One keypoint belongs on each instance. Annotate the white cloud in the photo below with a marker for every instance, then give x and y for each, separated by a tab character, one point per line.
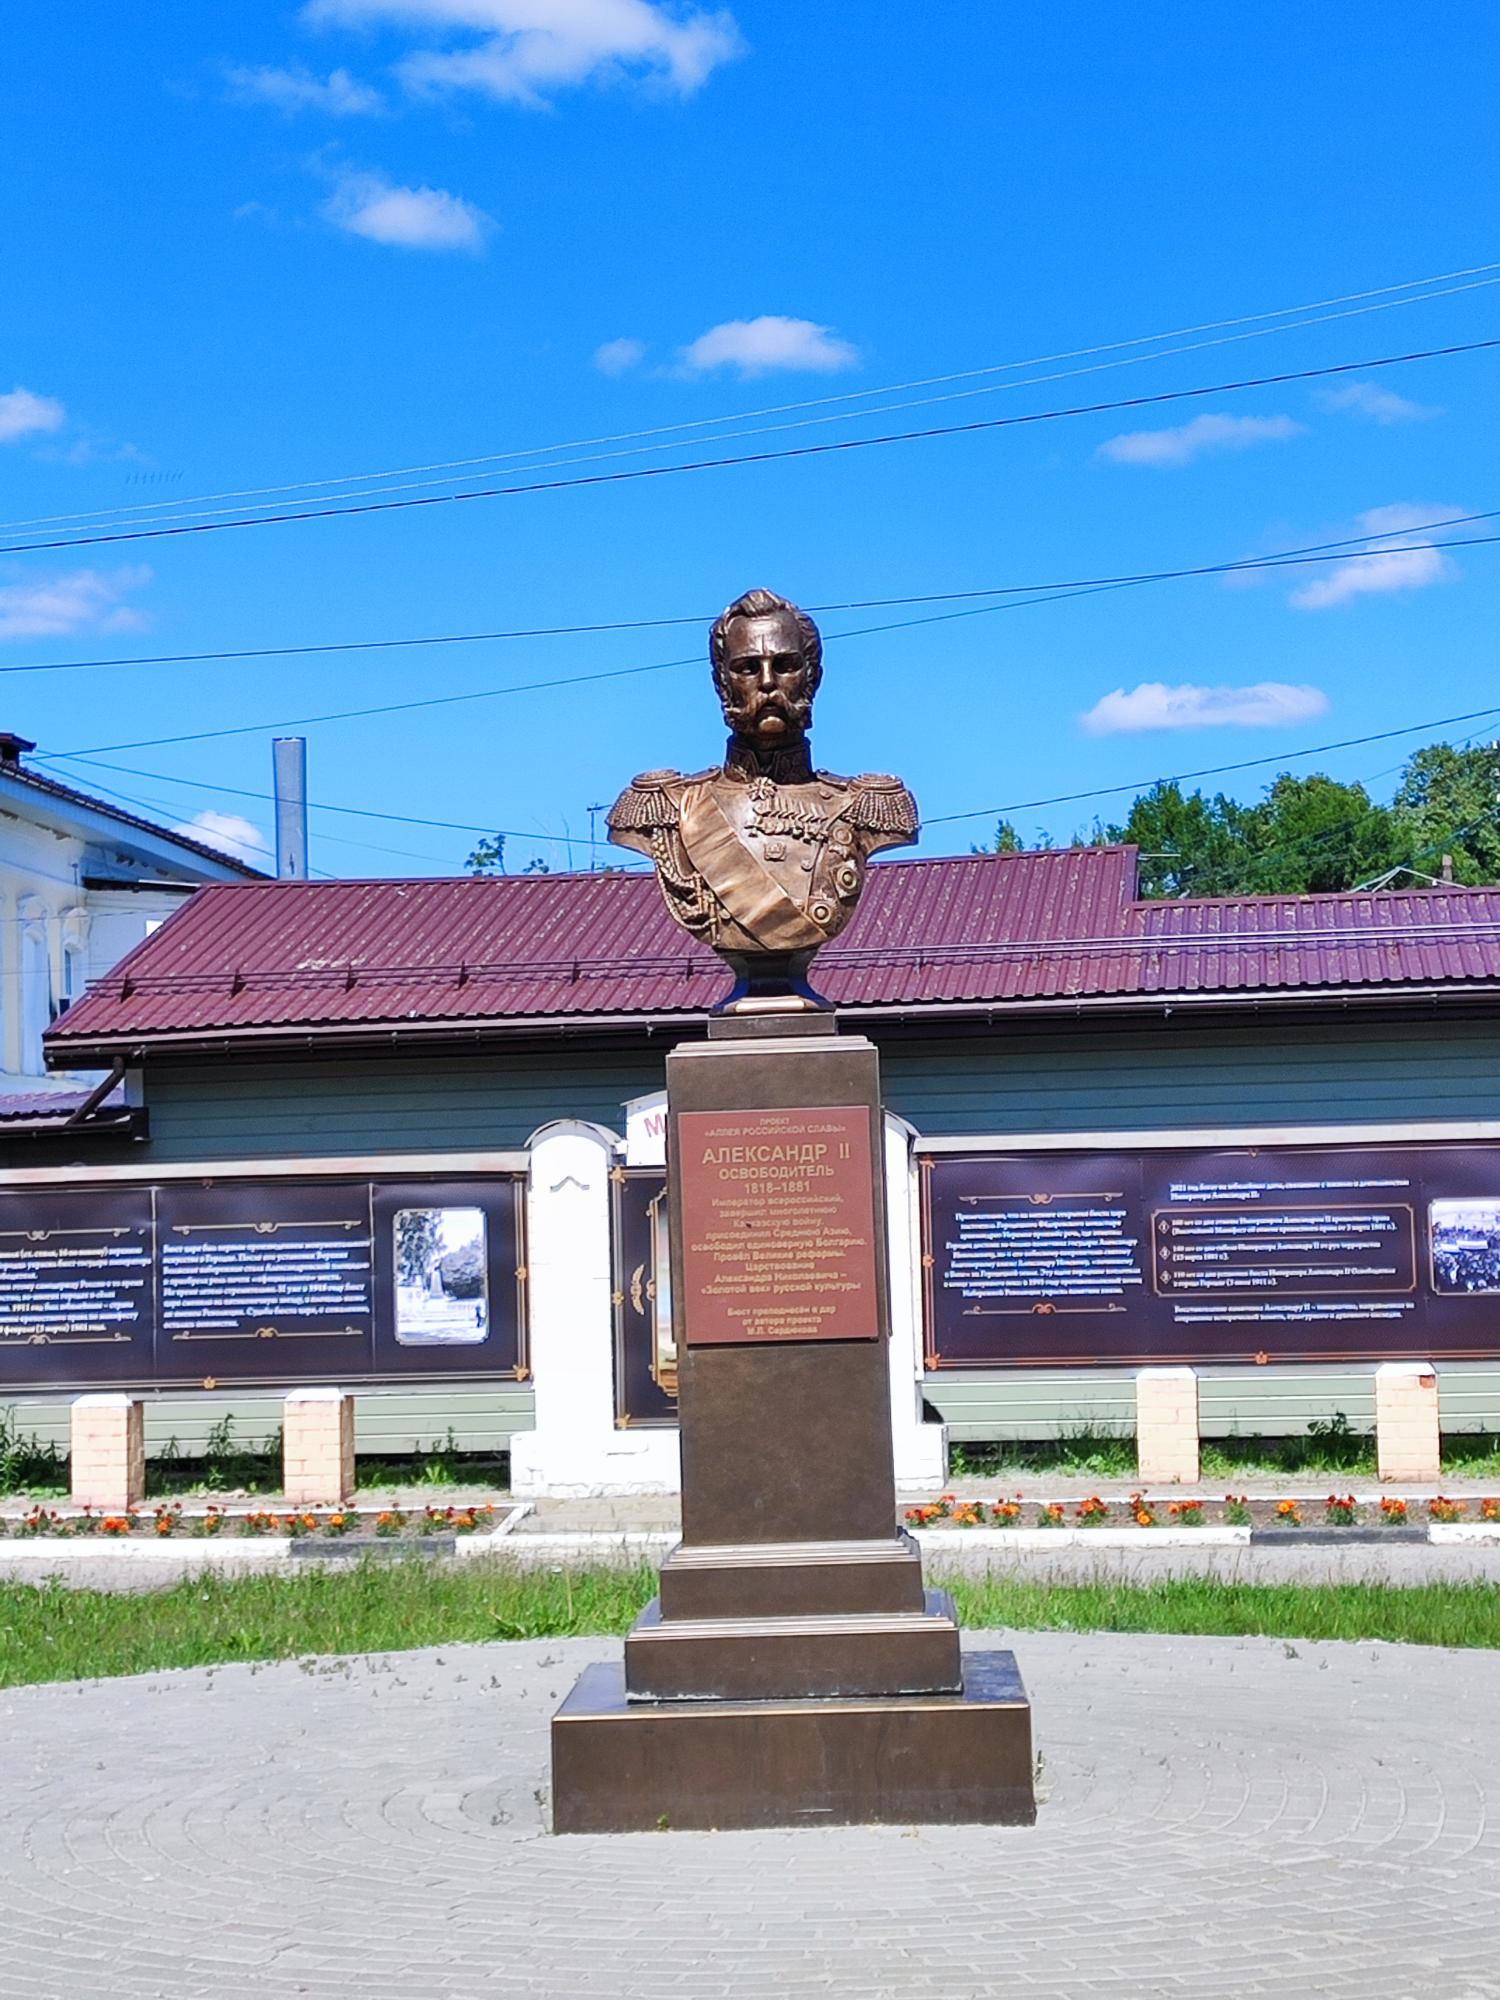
231	834
339	94
73	601
421	218
1154	705
1413	566
1382	406
22	414
531	48
618	357
758	346
1181	444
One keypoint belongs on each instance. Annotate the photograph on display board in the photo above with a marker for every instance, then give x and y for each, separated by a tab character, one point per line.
1465	1245
442	1285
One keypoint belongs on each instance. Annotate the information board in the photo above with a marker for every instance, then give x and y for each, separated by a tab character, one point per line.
228	1281
778	1218
1317	1253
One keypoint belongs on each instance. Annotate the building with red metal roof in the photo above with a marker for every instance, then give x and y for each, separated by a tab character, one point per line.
348	962
1297	1097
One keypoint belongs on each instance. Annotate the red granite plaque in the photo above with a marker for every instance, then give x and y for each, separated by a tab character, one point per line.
778	1214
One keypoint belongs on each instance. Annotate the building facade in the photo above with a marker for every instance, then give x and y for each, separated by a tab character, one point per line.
82	882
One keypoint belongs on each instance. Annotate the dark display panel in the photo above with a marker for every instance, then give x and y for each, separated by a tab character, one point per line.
645	1354
1315	1253
77	1288
229	1282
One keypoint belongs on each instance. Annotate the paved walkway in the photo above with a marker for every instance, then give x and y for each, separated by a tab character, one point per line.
1223	1820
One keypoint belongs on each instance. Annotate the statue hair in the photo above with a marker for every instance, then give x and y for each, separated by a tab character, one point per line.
760	604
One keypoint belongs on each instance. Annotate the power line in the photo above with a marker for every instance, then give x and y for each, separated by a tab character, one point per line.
1139	785
1418	287
1210	770
173	509
693	659
1308	552
784	453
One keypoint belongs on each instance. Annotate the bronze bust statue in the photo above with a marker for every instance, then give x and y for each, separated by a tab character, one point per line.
764	857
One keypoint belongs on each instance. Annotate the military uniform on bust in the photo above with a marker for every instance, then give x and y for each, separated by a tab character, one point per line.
764	857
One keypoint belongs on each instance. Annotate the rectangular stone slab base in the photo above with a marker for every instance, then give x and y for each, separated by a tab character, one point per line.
622	1766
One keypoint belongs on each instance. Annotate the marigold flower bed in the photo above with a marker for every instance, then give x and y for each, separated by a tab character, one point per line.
1234	1510
169	1522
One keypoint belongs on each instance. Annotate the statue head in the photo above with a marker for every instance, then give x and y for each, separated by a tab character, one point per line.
767	660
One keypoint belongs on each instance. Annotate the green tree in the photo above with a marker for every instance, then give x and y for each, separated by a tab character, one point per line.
1448	802
1190	845
1315	833
1008	841
488	857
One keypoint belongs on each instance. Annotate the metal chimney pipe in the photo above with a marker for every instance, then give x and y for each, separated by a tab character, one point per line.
289	773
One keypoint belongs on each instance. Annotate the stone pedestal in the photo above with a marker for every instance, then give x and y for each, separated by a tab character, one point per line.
1166	1426
107	1453
318	1447
1408	1439
794	1669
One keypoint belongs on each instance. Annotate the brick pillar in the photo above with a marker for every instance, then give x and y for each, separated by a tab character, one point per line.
318	1447
107	1467
1407	1438
1166	1426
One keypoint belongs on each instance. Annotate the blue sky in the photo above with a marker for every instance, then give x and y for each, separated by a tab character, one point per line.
253	246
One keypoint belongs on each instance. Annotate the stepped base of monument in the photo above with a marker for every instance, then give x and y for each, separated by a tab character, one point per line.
815	1656
791	1579
627	1766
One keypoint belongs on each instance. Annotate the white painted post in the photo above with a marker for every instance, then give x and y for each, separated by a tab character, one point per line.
317	1450
575	1450
1166	1426
1408	1436
107	1453
920	1449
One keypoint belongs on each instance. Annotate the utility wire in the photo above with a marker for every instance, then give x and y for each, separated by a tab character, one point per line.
694	659
172	510
1418	287
1138	785
784	453
1309	552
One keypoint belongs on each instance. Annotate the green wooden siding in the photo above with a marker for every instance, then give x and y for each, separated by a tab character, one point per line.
1179	1073
396	1104
385	1422
1000	1405
1094	1077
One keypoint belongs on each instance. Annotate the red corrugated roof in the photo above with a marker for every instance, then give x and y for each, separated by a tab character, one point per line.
983	930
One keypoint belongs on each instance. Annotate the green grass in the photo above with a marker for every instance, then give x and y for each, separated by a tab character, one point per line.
48	1632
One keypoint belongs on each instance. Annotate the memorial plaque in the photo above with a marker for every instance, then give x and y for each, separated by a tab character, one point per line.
778	1211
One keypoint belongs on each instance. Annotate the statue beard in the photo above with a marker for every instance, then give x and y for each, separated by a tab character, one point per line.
796	713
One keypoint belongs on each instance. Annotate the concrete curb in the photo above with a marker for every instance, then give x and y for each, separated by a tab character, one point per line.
55	1555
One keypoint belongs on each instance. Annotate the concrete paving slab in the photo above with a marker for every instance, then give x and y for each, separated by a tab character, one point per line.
1245	1818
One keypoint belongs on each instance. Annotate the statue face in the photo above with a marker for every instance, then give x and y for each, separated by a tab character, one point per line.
764	680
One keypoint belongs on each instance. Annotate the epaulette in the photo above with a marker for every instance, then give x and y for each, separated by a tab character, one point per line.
646	802
881	804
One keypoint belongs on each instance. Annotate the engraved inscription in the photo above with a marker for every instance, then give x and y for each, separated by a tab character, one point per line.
778	1213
